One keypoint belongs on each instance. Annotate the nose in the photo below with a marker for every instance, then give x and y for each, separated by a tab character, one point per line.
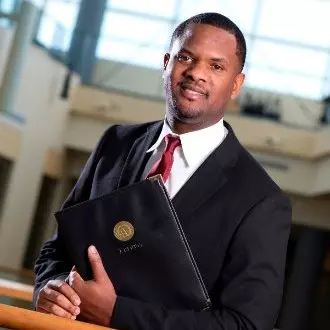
196	71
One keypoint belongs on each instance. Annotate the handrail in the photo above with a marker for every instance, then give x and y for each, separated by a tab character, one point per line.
22	319
24	272
16	290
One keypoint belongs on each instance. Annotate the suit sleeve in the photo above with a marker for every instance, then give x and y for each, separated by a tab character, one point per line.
52	262
250	284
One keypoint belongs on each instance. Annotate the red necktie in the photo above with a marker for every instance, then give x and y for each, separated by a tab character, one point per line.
164	166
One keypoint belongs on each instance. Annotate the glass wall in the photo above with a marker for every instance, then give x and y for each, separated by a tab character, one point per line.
7	7
288	47
56	24
288	43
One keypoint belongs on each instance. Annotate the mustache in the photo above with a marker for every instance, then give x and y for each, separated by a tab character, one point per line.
194	87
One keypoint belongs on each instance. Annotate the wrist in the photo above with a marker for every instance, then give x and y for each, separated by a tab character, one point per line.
109	310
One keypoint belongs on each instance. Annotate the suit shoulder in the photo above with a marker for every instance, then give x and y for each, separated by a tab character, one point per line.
129	131
255	184
256	176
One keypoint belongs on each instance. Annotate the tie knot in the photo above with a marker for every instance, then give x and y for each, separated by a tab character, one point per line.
164	166
172	142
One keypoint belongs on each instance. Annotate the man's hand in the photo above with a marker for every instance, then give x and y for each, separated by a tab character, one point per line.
98	296
58	298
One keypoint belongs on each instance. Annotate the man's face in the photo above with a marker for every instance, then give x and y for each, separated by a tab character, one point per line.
201	73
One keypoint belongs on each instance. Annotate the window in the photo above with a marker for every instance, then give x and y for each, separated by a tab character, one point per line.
290	52
132	53
144	45
5	23
57	23
303	22
287	41
7	6
233	9
161	9
135	29
284	82
285	57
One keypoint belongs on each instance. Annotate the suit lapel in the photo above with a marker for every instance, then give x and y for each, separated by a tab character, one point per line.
209	178
137	157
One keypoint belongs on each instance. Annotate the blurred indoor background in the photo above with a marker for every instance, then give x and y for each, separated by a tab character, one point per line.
71	68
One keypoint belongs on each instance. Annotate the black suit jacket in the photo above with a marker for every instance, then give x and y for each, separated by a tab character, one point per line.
236	220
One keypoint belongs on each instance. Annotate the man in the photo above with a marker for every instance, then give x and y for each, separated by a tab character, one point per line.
235	218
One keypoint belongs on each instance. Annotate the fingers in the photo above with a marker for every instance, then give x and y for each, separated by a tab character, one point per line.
65	290
59	299
97	265
49	307
41	310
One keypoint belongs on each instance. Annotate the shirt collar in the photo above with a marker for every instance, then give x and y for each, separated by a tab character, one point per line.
165	131
196	145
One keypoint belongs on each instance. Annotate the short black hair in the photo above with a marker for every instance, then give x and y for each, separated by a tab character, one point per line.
219	21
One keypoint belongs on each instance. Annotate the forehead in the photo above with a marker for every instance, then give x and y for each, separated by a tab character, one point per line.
207	39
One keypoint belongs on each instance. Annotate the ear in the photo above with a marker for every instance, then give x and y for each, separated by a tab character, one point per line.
166	60
238	83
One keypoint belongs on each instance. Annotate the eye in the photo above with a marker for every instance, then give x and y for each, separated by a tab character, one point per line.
217	67
184	58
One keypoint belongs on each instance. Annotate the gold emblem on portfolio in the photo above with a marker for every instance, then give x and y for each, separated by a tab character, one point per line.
123	231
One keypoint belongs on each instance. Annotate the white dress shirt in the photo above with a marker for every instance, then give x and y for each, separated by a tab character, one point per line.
195	148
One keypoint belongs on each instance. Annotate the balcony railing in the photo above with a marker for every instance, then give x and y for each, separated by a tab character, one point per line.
23	319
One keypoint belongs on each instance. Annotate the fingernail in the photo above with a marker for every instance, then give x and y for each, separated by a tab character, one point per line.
92	249
77	311
77	301
59	284
73	317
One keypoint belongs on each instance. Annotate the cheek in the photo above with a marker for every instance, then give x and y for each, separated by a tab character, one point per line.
220	94
176	75
224	87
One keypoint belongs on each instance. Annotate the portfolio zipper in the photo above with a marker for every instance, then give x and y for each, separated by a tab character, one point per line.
159	180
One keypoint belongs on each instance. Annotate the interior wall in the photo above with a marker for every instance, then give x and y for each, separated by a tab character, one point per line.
38	100
323	142
10	138
5	171
40	87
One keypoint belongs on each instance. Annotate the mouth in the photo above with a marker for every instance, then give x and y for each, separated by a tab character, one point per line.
192	92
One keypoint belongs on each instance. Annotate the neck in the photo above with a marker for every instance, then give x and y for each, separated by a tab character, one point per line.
180	127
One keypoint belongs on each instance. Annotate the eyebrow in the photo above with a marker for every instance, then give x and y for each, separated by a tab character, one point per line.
219	60
184	50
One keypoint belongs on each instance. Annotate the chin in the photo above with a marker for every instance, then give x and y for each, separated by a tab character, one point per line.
183	111
184	114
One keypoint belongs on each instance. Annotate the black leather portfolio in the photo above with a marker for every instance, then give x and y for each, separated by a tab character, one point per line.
141	242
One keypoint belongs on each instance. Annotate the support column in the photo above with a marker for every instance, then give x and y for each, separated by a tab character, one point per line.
17	55
306	269
25	179
81	55
23	189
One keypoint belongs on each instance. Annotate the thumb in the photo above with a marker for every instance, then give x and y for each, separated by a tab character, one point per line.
99	272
